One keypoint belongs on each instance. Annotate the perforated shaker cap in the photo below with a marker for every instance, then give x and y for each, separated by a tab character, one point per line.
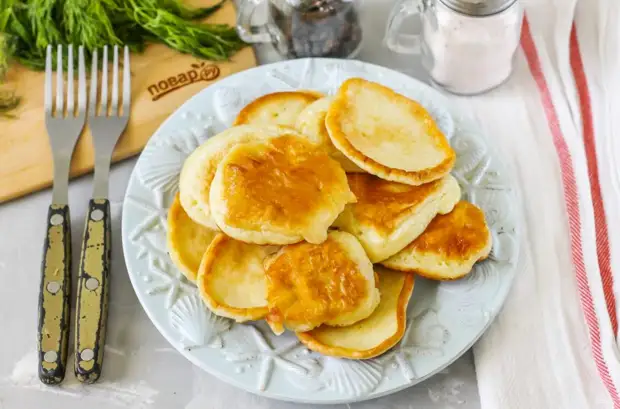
478	8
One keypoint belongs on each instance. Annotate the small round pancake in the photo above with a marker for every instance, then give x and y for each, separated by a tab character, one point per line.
311	122
187	240
449	247
387	134
388	215
280	191
312	284
374	335
232	280
279	108
199	168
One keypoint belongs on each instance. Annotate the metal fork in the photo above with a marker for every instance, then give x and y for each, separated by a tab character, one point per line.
55	289
94	273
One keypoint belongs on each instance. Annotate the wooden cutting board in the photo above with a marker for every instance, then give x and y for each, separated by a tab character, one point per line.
162	80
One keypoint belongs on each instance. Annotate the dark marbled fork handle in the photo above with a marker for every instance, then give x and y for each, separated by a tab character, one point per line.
93	286
55	296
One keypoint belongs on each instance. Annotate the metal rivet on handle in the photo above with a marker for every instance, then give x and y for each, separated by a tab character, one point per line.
56	219
53	287
87	354
92	283
96	215
50	356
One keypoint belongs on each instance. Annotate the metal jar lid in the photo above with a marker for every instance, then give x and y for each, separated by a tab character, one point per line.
478	8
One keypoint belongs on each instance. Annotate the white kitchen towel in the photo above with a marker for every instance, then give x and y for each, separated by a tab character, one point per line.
554	343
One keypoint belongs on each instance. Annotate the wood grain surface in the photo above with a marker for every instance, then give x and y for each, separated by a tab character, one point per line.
162	80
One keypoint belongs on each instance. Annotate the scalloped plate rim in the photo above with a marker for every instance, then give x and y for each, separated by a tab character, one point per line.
168	333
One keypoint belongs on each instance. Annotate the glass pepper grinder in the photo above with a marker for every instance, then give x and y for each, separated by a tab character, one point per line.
305	28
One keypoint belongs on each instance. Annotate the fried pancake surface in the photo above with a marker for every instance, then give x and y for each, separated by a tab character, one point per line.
311	122
278	108
187	240
280	191
387	134
374	335
232	280
388	215
449	247
199	168
313	284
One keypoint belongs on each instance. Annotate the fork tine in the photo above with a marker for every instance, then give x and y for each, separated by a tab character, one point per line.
115	83
70	101
59	84
126	83
81	82
104	82
92	109
48	80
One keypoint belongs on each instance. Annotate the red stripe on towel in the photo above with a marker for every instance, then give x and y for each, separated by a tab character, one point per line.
600	219
571	199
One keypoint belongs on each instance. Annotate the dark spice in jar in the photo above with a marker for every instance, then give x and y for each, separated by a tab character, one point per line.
318	28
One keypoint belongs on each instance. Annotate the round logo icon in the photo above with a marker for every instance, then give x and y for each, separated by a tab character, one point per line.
210	72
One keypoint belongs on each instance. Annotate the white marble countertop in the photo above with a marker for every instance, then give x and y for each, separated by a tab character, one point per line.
141	370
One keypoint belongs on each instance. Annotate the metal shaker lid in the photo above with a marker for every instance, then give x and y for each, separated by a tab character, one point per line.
478	8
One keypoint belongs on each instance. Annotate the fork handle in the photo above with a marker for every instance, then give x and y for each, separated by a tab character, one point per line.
92	297
54	296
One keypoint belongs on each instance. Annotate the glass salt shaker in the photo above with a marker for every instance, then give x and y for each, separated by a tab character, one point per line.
304	28
467	46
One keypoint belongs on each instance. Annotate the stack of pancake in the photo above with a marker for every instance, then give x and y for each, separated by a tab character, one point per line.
315	213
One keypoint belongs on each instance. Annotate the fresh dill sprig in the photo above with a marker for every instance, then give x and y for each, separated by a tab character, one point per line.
31	25
36	23
4	56
177	8
88	22
212	42
8	100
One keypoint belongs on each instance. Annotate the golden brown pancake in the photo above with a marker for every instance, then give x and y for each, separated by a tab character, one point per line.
388	215
449	247
313	284
387	134
311	122
279	108
279	191
199	168
232	279
374	335
187	240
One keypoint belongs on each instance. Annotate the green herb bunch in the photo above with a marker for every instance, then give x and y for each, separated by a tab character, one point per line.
8	100
33	24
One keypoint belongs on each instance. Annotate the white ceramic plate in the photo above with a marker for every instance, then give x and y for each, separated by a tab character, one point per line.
444	319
